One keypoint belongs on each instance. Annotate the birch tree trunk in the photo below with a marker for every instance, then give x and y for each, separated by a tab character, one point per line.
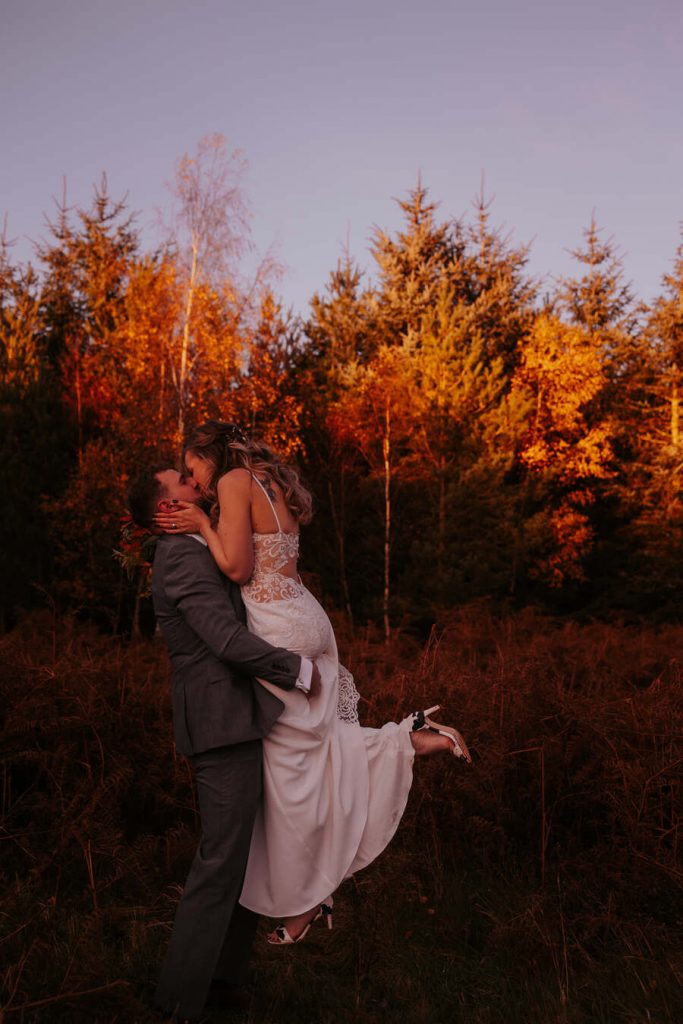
339	521
185	348
675	416
441	549
386	453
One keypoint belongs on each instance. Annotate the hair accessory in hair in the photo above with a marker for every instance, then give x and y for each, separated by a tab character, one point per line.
233	434
228	432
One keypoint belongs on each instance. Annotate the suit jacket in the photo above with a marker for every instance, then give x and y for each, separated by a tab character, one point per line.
213	655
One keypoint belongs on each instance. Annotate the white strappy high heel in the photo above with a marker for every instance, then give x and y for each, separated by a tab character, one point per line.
421	720
281	937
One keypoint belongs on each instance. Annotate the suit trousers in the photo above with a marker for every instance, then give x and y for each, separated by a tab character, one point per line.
212	935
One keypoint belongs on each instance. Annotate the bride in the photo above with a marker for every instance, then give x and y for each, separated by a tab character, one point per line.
333	791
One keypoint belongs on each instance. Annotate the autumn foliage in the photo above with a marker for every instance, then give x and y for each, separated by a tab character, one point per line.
461	438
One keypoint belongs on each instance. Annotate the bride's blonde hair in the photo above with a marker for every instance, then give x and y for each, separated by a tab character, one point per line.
225	446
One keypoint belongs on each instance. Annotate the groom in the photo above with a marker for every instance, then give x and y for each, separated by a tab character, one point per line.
219	718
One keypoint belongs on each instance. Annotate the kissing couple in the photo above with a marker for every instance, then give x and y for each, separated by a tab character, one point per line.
294	794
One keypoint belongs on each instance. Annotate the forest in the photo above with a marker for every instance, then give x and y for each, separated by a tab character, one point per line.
524	447
496	468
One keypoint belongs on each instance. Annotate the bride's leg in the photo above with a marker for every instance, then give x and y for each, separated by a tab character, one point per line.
297	924
429	743
428	736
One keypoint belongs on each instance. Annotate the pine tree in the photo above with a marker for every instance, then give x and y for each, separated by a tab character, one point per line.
31	436
600	301
652	492
464	422
410	265
83	306
666	331
373	413
489	278
84	314
339	332
266	401
23	362
455	300
340	326
567	450
459	293
146	393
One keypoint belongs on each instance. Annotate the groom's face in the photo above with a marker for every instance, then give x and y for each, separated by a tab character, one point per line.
178	487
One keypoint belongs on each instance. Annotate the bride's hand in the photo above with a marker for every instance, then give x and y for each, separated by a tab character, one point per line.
185	518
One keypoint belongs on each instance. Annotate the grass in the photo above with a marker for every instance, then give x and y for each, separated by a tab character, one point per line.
541	886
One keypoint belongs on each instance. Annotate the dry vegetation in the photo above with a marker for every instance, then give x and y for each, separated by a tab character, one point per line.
542	885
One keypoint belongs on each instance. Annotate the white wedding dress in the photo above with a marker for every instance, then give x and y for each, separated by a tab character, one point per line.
333	792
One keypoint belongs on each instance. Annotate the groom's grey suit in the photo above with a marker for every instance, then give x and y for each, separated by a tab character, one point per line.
219	718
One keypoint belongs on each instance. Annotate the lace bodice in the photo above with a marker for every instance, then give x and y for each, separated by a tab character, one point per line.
272	552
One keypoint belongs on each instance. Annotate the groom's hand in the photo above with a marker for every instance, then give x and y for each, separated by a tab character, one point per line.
316	686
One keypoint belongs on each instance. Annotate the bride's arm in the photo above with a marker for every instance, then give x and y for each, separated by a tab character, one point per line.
231	543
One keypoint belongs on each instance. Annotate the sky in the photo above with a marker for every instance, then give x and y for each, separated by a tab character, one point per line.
565	109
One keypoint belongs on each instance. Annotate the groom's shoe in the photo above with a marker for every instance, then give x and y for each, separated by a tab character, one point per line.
225	995
174	1018
187	1020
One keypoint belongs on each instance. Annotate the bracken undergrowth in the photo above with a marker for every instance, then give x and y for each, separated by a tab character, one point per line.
541	885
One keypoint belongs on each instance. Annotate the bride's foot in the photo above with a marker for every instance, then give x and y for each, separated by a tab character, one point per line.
428	736
294	929
429	743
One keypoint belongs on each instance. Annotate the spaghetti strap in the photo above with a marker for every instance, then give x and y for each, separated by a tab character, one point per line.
270	501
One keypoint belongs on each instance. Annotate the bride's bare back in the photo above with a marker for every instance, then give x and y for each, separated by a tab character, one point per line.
276	549
253	507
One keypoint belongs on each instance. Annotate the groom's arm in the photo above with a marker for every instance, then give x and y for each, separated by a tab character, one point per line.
193	584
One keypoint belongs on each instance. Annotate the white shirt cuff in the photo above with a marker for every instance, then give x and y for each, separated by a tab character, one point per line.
305	675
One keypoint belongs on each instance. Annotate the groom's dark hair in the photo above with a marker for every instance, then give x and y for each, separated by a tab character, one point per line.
144	493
